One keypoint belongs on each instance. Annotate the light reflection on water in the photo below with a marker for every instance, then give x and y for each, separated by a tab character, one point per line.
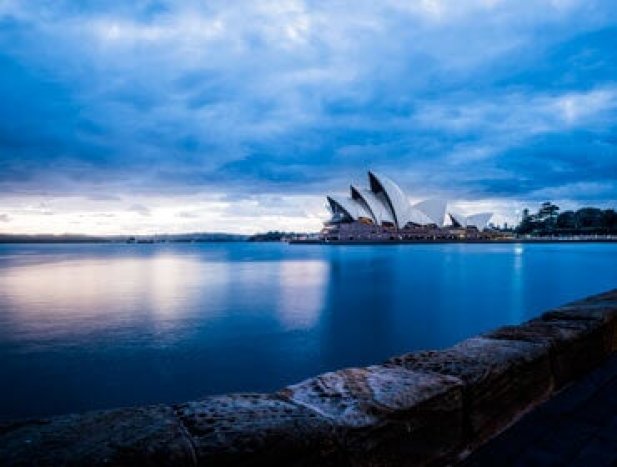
68	298
93	326
301	293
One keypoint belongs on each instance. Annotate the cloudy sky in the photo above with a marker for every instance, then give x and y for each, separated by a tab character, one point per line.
154	116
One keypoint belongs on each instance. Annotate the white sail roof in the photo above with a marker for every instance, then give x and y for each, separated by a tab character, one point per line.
479	220
418	217
379	212
394	197
386	202
349	206
435	209
458	219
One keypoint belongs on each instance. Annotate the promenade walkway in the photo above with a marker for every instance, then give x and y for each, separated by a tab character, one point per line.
578	427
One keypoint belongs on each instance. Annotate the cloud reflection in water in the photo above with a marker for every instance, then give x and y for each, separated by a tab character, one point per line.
55	300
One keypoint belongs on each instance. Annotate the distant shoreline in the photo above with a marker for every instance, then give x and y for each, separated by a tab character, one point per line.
428	242
259	238
307	242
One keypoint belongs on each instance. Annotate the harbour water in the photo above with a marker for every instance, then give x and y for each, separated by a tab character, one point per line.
88	326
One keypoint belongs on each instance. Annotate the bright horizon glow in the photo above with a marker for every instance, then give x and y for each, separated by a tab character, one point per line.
177	216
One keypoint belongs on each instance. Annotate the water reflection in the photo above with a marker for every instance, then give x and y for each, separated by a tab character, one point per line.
93	326
359	307
301	293
56	300
517	290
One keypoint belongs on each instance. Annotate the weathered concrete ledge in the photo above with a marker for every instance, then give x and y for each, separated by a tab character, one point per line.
421	408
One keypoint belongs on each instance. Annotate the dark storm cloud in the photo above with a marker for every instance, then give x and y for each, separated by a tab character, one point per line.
477	98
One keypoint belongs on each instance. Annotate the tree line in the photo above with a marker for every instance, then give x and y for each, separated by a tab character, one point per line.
585	221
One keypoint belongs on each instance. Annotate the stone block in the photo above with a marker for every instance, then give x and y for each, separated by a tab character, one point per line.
387	415
576	346
502	379
148	436
258	429
608	296
601	308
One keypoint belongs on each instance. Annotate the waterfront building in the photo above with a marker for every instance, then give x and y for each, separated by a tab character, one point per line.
383	212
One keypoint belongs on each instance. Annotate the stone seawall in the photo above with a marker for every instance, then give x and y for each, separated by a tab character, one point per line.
421	408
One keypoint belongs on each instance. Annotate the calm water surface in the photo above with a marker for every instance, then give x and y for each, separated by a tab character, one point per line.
97	326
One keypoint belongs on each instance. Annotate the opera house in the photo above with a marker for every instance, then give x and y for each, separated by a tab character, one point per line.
383	212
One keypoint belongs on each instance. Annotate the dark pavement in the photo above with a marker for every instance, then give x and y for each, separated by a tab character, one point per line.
578	427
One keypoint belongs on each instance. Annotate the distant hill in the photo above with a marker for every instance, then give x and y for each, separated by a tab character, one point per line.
199	237
50	238
274	236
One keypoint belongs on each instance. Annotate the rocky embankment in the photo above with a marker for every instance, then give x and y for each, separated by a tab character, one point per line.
421	408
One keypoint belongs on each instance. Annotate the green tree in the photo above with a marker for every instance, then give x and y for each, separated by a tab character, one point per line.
589	219
609	220
586	220
548	212
566	220
526	225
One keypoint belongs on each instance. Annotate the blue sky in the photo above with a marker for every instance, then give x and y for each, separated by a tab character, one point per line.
154	116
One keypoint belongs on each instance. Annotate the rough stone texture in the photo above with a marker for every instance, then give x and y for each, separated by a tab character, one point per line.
502	379
575	346
258	429
600	308
148	436
387	416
